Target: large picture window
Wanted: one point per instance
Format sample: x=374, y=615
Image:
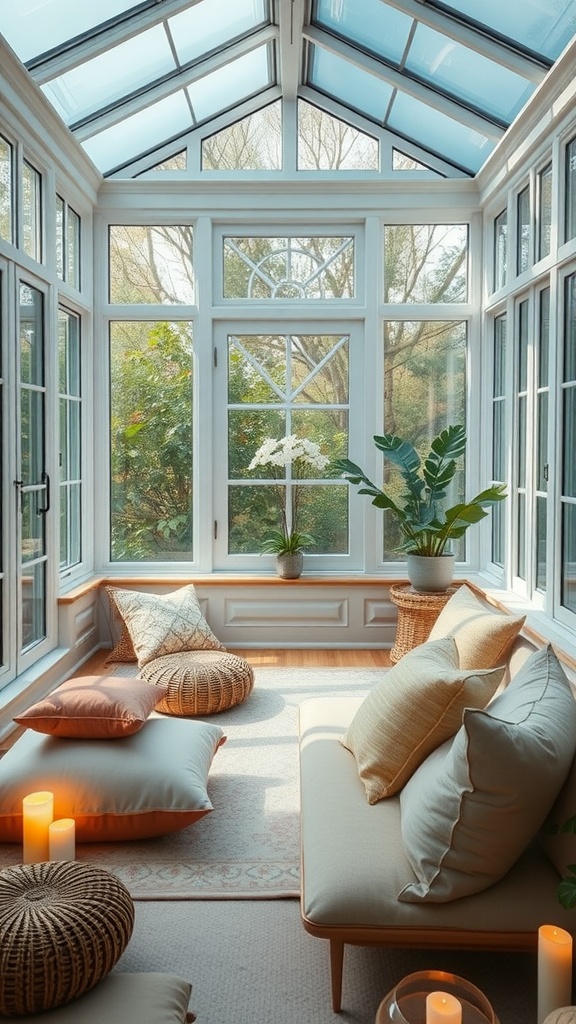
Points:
x=424, y=391
x=151, y=264
x=70, y=403
x=151, y=441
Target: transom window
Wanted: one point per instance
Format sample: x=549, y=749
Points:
x=304, y=268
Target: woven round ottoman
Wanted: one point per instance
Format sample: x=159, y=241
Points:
x=200, y=682
x=63, y=926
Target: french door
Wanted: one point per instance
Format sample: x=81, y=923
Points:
x=28, y=615
x=274, y=379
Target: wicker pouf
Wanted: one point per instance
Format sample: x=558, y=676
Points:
x=63, y=926
x=200, y=682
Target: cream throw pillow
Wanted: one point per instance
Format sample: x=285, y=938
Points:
x=418, y=704
x=164, y=624
x=483, y=636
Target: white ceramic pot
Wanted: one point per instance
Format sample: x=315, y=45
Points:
x=430, y=574
x=289, y=566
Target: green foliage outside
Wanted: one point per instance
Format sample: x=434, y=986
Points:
x=151, y=441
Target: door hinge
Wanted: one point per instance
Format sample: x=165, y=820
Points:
x=215, y=530
x=215, y=357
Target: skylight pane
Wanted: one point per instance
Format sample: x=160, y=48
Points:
x=32, y=28
x=467, y=75
x=438, y=133
x=349, y=84
x=213, y=23
x=231, y=84
x=372, y=25
x=544, y=27
x=144, y=131
x=110, y=76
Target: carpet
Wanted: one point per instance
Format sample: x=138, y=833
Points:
x=251, y=962
x=248, y=847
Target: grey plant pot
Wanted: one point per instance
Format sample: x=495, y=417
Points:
x=430, y=574
x=289, y=566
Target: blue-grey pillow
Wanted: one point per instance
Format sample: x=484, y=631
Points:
x=476, y=802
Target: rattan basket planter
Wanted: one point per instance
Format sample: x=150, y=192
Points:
x=63, y=926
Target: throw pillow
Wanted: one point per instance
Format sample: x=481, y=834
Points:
x=475, y=803
x=149, y=784
x=417, y=705
x=122, y=649
x=164, y=623
x=483, y=635
x=94, y=707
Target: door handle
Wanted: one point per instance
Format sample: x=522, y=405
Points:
x=45, y=480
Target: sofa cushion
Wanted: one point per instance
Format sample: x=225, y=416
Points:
x=145, y=785
x=474, y=804
x=164, y=623
x=94, y=707
x=415, y=707
x=483, y=635
x=354, y=862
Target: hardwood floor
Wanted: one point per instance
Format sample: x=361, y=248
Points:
x=297, y=658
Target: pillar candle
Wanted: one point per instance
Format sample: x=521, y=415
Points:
x=37, y=813
x=62, y=841
x=443, y=1008
x=554, y=969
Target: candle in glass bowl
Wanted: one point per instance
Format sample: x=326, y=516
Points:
x=554, y=969
x=62, y=839
x=37, y=813
x=443, y=1008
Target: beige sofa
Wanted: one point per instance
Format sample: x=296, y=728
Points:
x=354, y=864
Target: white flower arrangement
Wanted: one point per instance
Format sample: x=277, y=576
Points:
x=301, y=457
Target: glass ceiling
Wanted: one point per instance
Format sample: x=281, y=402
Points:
x=128, y=79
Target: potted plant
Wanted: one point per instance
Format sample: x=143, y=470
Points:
x=297, y=457
x=426, y=526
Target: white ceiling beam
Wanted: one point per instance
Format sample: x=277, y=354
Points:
x=291, y=20
x=149, y=96
x=495, y=50
x=85, y=50
x=405, y=84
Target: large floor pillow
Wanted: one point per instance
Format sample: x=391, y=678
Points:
x=147, y=784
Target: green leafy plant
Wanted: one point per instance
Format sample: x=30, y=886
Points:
x=425, y=526
x=566, y=890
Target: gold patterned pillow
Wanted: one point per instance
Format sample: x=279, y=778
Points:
x=164, y=623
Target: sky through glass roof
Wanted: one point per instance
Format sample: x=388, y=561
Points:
x=129, y=79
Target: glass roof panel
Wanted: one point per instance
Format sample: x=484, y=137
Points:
x=111, y=75
x=467, y=75
x=140, y=132
x=232, y=83
x=543, y=26
x=438, y=133
x=33, y=27
x=349, y=84
x=372, y=25
x=213, y=23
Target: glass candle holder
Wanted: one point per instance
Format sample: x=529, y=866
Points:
x=406, y=1002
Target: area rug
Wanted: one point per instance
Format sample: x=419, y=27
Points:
x=248, y=846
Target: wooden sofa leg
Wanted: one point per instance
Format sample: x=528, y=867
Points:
x=336, y=970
